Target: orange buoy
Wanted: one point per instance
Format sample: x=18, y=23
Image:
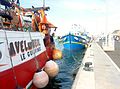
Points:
x=51, y=68
x=57, y=54
x=40, y=79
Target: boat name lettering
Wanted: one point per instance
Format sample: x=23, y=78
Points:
x=22, y=46
x=29, y=53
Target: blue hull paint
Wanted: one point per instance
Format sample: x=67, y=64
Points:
x=73, y=46
x=72, y=42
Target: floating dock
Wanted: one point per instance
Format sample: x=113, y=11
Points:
x=97, y=71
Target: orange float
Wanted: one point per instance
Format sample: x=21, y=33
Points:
x=57, y=54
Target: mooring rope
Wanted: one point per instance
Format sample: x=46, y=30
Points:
x=15, y=78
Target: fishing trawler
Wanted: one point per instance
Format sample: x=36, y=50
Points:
x=76, y=39
x=25, y=47
x=74, y=42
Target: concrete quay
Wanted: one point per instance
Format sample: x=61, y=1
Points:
x=103, y=73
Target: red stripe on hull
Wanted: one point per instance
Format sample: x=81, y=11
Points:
x=23, y=72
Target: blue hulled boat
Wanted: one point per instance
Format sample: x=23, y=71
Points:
x=73, y=42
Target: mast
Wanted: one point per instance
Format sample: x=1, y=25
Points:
x=43, y=3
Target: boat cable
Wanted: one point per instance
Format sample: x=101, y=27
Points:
x=37, y=63
x=40, y=34
x=12, y=65
x=71, y=53
x=15, y=78
x=71, y=49
x=38, y=27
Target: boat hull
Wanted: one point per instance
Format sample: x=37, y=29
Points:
x=73, y=46
x=72, y=42
x=18, y=58
x=23, y=73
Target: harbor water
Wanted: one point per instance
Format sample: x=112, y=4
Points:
x=68, y=67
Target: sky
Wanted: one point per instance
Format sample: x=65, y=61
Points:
x=94, y=16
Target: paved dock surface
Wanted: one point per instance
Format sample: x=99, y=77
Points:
x=104, y=73
x=114, y=55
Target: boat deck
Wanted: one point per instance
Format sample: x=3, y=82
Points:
x=102, y=74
